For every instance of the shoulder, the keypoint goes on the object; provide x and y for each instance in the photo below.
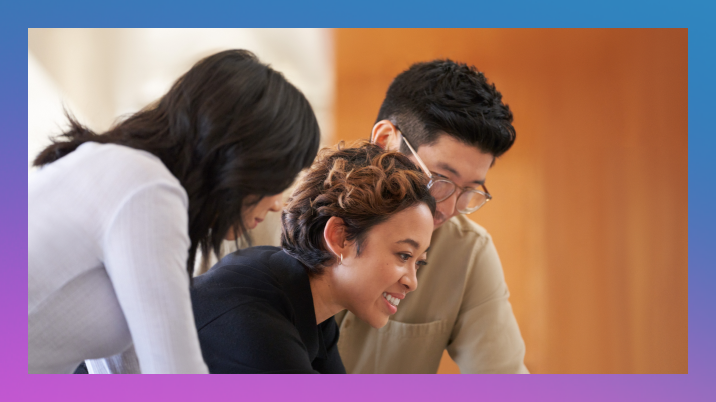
(461, 232)
(114, 164)
(244, 268)
(133, 176)
(464, 224)
(125, 161)
(106, 174)
(467, 247)
(243, 278)
(253, 256)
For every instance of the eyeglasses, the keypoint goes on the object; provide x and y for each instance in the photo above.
(468, 201)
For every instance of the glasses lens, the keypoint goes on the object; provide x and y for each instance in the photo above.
(441, 190)
(470, 201)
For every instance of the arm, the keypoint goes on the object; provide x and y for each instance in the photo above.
(485, 337)
(122, 363)
(145, 254)
(254, 338)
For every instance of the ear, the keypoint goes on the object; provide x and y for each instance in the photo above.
(385, 135)
(334, 234)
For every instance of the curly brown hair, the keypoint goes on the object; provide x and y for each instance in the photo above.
(363, 185)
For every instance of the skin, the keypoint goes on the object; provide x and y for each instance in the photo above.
(255, 214)
(465, 165)
(391, 254)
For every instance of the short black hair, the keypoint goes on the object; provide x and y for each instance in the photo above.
(440, 96)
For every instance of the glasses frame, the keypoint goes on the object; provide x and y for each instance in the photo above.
(434, 179)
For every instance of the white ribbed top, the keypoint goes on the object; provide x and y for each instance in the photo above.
(107, 250)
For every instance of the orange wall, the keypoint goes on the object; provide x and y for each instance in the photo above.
(590, 205)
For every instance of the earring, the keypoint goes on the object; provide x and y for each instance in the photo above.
(341, 263)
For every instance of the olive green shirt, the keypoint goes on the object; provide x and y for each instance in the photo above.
(461, 304)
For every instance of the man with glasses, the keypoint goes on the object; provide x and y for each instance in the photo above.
(452, 123)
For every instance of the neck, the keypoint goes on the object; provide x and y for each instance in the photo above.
(325, 302)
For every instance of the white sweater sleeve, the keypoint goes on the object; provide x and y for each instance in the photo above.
(122, 363)
(145, 253)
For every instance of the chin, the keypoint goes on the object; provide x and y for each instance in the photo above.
(379, 325)
(377, 322)
(374, 320)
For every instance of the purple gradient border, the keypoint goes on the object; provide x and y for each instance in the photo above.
(695, 386)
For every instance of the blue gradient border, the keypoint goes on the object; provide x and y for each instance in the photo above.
(694, 15)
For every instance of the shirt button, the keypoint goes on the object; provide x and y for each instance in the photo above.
(348, 324)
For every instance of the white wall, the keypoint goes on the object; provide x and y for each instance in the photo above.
(106, 73)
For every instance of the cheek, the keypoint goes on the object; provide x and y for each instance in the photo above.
(442, 208)
(371, 275)
(249, 215)
(261, 208)
(447, 207)
(386, 276)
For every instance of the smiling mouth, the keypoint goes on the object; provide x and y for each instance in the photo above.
(392, 300)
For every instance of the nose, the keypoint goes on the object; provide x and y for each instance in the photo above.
(410, 280)
(276, 204)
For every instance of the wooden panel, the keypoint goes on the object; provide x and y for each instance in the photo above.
(590, 209)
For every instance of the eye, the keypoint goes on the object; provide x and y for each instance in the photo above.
(404, 257)
(421, 263)
(439, 175)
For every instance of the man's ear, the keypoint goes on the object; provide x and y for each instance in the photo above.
(334, 234)
(385, 135)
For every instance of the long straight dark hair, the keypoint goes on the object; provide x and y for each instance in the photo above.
(228, 128)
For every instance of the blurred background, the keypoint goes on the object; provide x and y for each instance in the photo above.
(590, 205)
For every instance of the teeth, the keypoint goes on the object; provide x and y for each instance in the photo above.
(392, 300)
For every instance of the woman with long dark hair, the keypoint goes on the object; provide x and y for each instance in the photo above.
(115, 219)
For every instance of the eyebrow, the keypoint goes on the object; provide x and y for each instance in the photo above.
(413, 243)
(445, 166)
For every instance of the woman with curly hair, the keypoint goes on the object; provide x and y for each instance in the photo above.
(355, 231)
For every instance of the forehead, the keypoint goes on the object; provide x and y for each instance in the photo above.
(415, 223)
(458, 160)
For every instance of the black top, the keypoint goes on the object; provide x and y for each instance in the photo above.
(254, 313)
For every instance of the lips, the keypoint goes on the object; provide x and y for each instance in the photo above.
(392, 300)
(255, 223)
